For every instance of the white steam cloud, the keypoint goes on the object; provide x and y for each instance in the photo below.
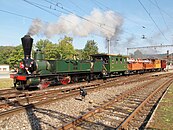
(106, 24)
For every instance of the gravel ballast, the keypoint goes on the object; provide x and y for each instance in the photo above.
(53, 115)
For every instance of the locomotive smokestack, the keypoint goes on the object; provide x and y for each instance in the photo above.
(27, 42)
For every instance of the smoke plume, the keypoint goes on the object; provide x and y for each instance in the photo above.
(36, 27)
(106, 24)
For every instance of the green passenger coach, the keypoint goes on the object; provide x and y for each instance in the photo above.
(112, 64)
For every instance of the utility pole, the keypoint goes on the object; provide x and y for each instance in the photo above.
(108, 43)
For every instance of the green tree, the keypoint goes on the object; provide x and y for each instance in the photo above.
(41, 44)
(79, 53)
(15, 56)
(50, 49)
(66, 48)
(52, 52)
(5, 53)
(89, 49)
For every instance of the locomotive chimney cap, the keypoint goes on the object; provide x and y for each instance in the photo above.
(27, 42)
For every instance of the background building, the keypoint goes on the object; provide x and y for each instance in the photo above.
(4, 71)
(4, 68)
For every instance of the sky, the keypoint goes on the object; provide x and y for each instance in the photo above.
(125, 23)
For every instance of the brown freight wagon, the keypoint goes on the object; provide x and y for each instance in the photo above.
(135, 67)
(148, 65)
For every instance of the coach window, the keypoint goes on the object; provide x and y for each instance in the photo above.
(112, 59)
(116, 60)
(125, 60)
(105, 60)
(121, 60)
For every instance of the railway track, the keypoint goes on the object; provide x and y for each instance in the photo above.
(130, 110)
(13, 93)
(25, 100)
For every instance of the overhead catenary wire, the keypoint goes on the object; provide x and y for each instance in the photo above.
(31, 3)
(40, 6)
(49, 7)
(106, 7)
(58, 4)
(102, 5)
(161, 9)
(20, 15)
(161, 13)
(78, 6)
(152, 19)
(99, 5)
(100, 24)
(12, 13)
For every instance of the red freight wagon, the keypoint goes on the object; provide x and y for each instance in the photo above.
(163, 64)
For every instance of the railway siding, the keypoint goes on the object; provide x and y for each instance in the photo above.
(163, 116)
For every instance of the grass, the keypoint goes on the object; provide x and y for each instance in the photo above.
(6, 83)
(163, 118)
